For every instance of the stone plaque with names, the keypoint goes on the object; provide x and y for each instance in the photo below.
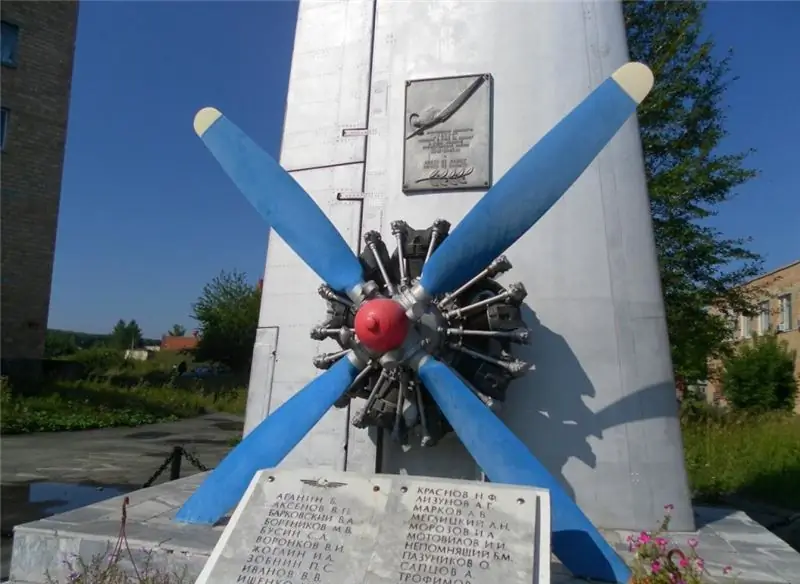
(448, 134)
(329, 527)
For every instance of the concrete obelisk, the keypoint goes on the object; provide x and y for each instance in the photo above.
(599, 409)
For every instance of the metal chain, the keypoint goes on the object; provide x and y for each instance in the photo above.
(787, 521)
(193, 461)
(167, 461)
(160, 470)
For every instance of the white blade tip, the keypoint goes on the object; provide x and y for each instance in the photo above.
(204, 118)
(635, 79)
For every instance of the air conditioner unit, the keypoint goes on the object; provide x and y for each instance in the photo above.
(781, 328)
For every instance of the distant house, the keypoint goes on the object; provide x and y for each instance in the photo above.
(138, 354)
(778, 312)
(169, 343)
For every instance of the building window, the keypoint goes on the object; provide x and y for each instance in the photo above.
(744, 320)
(9, 35)
(763, 317)
(785, 323)
(736, 331)
(4, 116)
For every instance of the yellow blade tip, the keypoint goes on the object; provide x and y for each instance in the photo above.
(204, 118)
(635, 79)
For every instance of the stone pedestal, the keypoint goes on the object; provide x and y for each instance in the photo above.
(727, 538)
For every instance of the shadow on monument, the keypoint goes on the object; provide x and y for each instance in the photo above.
(552, 413)
(553, 410)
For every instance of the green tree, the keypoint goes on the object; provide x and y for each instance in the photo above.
(59, 344)
(126, 335)
(682, 124)
(760, 376)
(227, 312)
(177, 331)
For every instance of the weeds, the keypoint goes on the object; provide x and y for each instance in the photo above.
(82, 405)
(757, 456)
(107, 569)
(99, 571)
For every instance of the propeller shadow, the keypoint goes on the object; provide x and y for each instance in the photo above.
(555, 410)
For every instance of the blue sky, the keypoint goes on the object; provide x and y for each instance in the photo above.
(147, 219)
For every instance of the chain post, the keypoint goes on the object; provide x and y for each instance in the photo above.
(175, 467)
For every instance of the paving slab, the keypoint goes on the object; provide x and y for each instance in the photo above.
(50, 472)
(114, 455)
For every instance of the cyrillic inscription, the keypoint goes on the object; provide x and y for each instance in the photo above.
(447, 134)
(293, 528)
(454, 536)
(293, 543)
(292, 531)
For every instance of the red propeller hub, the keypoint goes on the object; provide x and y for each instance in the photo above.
(381, 325)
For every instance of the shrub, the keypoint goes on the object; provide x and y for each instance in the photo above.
(62, 406)
(98, 360)
(760, 376)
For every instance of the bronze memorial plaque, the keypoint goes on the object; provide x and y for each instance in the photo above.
(333, 527)
(448, 134)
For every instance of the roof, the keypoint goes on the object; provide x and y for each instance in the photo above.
(169, 343)
(772, 272)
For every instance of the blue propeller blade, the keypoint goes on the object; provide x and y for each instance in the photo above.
(282, 202)
(525, 193)
(267, 445)
(505, 459)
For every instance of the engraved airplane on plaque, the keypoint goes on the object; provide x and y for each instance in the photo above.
(448, 134)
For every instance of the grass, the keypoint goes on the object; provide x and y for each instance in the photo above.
(757, 457)
(99, 403)
(726, 454)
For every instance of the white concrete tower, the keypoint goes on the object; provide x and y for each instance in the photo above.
(599, 410)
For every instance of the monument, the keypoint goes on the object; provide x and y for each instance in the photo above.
(466, 356)
(430, 338)
(596, 403)
(397, 328)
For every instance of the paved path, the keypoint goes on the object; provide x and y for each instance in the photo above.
(113, 455)
(113, 460)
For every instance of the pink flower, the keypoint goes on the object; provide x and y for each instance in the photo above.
(684, 563)
(661, 542)
(644, 537)
(669, 507)
(633, 543)
(700, 563)
(655, 566)
(693, 542)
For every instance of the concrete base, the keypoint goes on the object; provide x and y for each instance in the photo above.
(727, 538)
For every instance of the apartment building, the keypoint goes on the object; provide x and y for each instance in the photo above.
(38, 46)
(779, 312)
